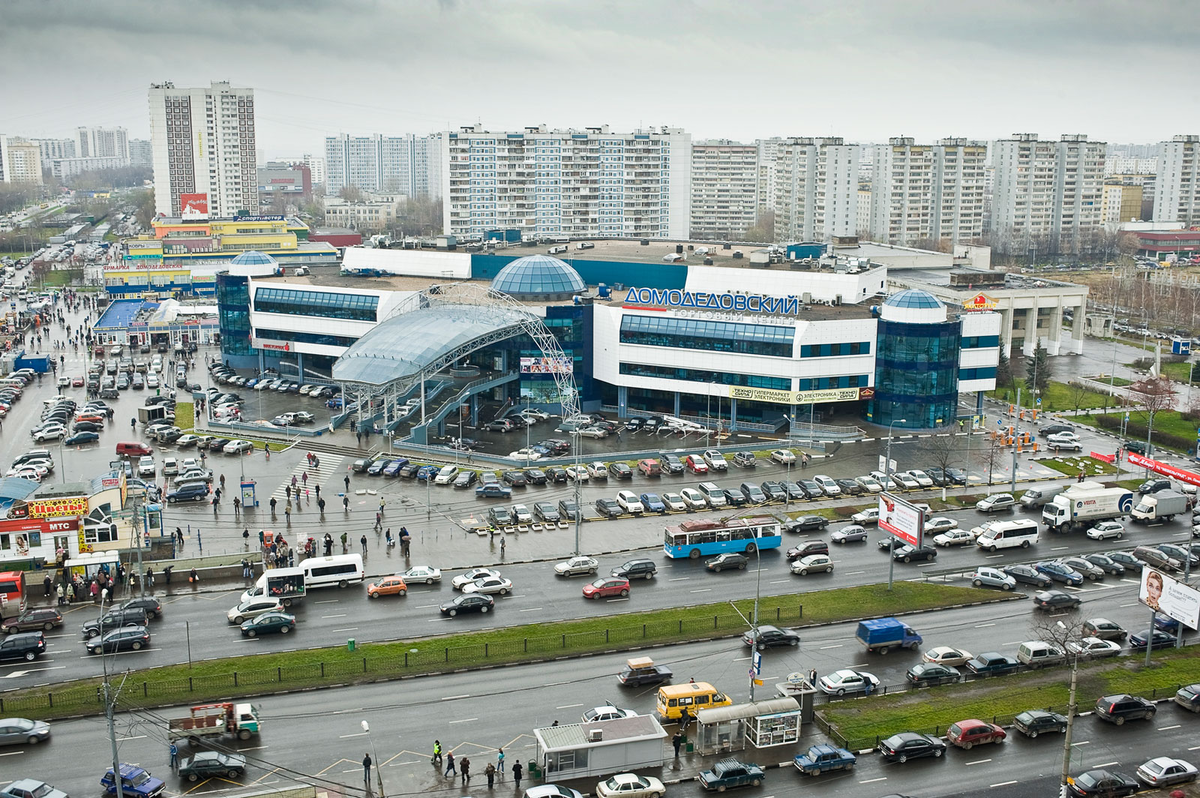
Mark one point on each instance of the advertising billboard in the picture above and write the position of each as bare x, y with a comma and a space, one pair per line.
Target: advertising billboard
50, 508
193, 206
898, 517
1171, 597
1166, 469
547, 365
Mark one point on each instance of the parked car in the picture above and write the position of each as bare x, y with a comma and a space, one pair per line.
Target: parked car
1039, 721
821, 758
926, 674
731, 773
1122, 707
844, 681
967, 734
910, 745
1028, 575
992, 664
985, 576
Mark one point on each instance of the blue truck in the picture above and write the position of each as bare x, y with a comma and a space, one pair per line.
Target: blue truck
883, 634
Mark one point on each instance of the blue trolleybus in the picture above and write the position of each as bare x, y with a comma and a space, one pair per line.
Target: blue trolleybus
702, 537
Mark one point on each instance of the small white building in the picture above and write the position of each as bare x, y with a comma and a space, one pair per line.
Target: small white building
600, 748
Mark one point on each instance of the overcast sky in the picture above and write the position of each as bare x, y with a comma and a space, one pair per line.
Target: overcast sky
1116, 70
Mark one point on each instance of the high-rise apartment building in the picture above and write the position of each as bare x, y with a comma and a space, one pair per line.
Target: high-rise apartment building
768, 151
203, 143
141, 153
52, 149
724, 189
103, 142
316, 168
590, 182
1047, 194
1121, 200
816, 189
1177, 188
927, 192
20, 160
381, 164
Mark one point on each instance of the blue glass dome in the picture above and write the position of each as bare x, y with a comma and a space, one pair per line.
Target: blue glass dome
253, 258
539, 277
913, 298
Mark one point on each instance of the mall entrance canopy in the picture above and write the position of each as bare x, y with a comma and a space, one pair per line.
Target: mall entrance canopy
429, 331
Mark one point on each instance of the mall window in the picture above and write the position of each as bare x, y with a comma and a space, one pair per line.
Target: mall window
980, 341
700, 375
825, 383
988, 373
835, 350
305, 338
356, 307
710, 336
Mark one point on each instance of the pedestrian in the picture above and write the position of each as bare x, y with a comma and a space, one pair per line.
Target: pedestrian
381, 503
245, 568
246, 538
437, 752
347, 481
517, 775
318, 489
502, 544
367, 768
174, 762
685, 718
346, 504
273, 503
305, 478
48, 584
500, 763
167, 573
812, 678
61, 596
287, 491
179, 534
677, 741
378, 523
363, 541
150, 578
321, 506
287, 512
450, 764
261, 536
344, 538
193, 577
465, 768
358, 435
490, 772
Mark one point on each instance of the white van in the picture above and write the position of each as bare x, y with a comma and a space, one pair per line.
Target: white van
1008, 534
712, 494
338, 569
1039, 653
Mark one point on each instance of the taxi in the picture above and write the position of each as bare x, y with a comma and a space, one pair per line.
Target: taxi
388, 586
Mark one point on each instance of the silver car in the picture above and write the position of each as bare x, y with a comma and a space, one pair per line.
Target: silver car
18, 731
849, 534
992, 577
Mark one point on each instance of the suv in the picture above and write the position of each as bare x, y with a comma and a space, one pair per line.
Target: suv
806, 523
151, 606
33, 620
636, 569
1154, 486
808, 548
1120, 708
133, 616
27, 646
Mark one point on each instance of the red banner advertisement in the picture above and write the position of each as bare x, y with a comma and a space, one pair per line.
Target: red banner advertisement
1166, 469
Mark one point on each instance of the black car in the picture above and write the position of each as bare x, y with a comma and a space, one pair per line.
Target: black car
620, 470
929, 674
910, 745
1053, 429
937, 475
546, 512
1103, 784
188, 492
25, 645
515, 478
774, 491
1056, 600
1039, 721
1188, 697
1152, 486
726, 562
134, 616
148, 604
634, 423
1125, 560
127, 638
1122, 707
535, 476
670, 464
81, 438
469, 602
217, 444
205, 764
811, 488
992, 664
734, 497
568, 509
1106, 563
889, 543
957, 476
850, 487
1137, 640
556, 474
636, 569
1028, 575
409, 471
770, 637
908, 553
807, 548
806, 523
87, 426
795, 492
646, 673
608, 508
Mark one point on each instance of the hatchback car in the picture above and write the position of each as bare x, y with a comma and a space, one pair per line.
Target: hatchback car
849, 534
991, 577
1039, 721
606, 587
387, 586
996, 503
813, 564
620, 470
609, 508
1122, 707
967, 734
15, 731
1104, 629
1106, 530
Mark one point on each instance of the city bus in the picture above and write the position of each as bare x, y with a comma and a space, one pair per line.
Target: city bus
702, 537
12, 593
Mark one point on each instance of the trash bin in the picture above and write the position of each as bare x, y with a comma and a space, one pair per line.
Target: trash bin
350, 644
691, 747
534, 772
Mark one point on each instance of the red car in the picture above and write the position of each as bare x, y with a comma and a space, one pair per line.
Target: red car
969, 733
607, 586
695, 463
77, 382
95, 418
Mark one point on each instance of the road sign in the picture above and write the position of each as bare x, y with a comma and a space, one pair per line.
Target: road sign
756, 667
883, 464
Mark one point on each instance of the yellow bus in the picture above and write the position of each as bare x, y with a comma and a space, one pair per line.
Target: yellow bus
695, 696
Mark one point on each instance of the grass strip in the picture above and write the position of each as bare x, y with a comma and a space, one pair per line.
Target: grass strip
233, 677
1071, 466
863, 722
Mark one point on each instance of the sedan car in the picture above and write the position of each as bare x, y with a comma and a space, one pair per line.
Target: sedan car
1084, 566
946, 655
609, 508
908, 553
464, 579
1056, 600
727, 561
1094, 648
906, 481
1106, 563
1158, 639
1028, 575
693, 498
849, 534
1106, 530
1102, 784
489, 585
767, 636
268, 623
607, 587
422, 573
674, 502
954, 537
630, 785
911, 745
1060, 573
577, 566
783, 456
607, 712
869, 484
17, 731
546, 512
927, 674
521, 514
206, 764
992, 664
1164, 771
940, 524
468, 603
845, 681
620, 470
238, 447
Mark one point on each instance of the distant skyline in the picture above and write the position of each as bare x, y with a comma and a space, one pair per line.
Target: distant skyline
862, 70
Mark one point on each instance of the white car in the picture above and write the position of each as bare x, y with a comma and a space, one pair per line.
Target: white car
422, 573
846, 681
489, 585
525, 455
446, 475
693, 498
577, 566
630, 785
883, 480
24, 472
578, 473
674, 502
238, 447
1105, 530
194, 475
923, 479
867, 516
906, 481
783, 456
170, 467
597, 470
191, 462
948, 655
146, 467
64, 381
940, 524
630, 502
521, 514
715, 460
152, 381
828, 485
253, 608
462, 580
608, 712
1063, 437
535, 413
954, 537
1094, 647
813, 563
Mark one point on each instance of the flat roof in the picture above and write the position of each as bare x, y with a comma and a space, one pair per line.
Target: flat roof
614, 732
633, 251
387, 282
811, 312
1012, 282
119, 314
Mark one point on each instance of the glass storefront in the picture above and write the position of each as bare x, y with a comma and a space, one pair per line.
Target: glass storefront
233, 314
710, 336
916, 374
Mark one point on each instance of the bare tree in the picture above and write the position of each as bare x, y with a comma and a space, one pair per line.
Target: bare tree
1078, 393
351, 194
1155, 394
994, 454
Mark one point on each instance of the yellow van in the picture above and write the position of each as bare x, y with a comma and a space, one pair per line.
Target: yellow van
694, 695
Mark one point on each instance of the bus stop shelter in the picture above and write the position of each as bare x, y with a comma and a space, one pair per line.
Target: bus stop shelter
762, 724
600, 748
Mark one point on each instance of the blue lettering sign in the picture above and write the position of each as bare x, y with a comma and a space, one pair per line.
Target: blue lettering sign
706, 300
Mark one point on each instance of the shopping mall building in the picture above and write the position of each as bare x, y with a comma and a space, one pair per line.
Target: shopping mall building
716, 335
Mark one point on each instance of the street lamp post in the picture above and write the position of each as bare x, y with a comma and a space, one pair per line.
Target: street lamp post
1066, 767
887, 472
374, 756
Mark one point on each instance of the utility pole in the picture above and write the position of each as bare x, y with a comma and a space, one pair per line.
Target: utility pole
887, 472
110, 708
578, 485
1017, 427
1066, 768
137, 542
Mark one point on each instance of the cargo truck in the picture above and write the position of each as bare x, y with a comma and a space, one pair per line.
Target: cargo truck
883, 634
284, 584
149, 415
1158, 508
215, 720
1084, 504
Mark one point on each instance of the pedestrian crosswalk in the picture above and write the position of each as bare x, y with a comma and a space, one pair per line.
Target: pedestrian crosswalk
329, 466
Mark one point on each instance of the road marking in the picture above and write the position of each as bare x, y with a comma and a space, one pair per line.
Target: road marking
872, 781
327, 601
615, 600
530, 609
823, 648
1168, 728
1004, 783
427, 606
455, 697
1132, 604
138, 737
255, 748
463, 720
994, 557
1081, 742
1194, 748
982, 625
1108, 764
978, 762
11, 753
569, 706
347, 629
927, 564
343, 615
778, 581
702, 590
1059, 548
1131, 581
679, 578
357, 734
854, 573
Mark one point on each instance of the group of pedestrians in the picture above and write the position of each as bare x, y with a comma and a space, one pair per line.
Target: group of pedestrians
462, 767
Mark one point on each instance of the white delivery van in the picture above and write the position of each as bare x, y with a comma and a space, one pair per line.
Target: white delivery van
1009, 534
